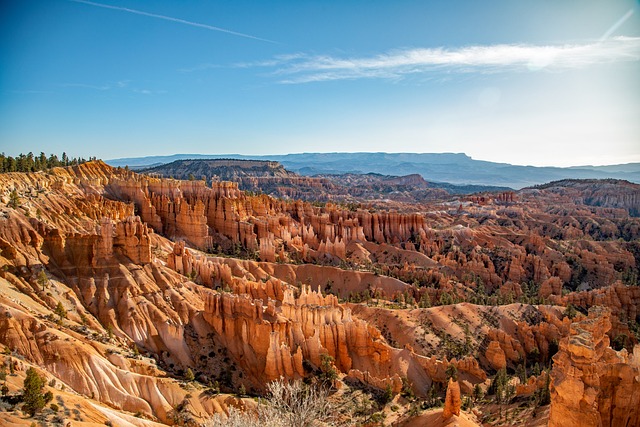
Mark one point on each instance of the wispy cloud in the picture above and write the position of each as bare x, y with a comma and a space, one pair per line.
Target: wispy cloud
276, 61
31, 92
200, 67
397, 64
87, 86
149, 92
169, 18
103, 87
122, 85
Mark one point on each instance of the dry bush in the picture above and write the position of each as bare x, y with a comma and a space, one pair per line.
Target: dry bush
237, 418
289, 404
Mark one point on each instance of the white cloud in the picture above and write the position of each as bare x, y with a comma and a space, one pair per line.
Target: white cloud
396, 64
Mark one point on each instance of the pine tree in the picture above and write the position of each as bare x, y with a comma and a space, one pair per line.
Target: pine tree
545, 393
43, 280
570, 311
468, 345
425, 301
32, 393
14, 199
189, 376
521, 372
499, 385
110, 331
445, 299
60, 311
477, 392
452, 372
388, 394
327, 371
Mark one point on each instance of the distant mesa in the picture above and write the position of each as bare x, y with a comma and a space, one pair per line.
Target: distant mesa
452, 168
222, 169
270, 177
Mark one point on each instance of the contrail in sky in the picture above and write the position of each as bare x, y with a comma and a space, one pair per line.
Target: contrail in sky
616, 25
169, 18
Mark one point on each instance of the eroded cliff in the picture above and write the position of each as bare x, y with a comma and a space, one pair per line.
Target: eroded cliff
161, 280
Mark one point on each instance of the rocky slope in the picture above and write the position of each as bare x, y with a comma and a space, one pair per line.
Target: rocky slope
607, 193
174, 291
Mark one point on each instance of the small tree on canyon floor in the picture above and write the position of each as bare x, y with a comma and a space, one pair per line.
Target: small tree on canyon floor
328, 372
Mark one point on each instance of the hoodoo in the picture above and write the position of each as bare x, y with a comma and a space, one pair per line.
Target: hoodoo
162, 301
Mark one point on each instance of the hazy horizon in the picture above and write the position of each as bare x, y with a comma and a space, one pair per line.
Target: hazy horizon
344, 152
524, 83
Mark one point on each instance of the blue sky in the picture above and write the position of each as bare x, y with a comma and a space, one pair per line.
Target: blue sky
541, 83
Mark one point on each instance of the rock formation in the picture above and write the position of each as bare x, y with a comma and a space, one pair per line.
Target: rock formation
593, 385
452, 400
495, 355
160, 276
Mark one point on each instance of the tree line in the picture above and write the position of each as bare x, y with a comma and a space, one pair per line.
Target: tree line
31, 163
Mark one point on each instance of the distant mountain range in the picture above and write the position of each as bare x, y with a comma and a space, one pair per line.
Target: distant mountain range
454, 168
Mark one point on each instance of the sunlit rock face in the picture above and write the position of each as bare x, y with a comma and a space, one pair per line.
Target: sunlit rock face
129, 259
593, 385
452, 400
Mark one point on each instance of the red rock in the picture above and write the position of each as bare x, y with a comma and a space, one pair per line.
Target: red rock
591, 384
495, 355
452, 400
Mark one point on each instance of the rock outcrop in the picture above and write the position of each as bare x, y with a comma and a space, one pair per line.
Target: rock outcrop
591, 384
495, 356
272, 338
452, 400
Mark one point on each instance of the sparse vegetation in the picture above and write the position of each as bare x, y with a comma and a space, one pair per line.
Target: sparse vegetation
328, 372
570, 311
452, 372
289, 404
34, 399
43, 280
14, 199
60, 312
